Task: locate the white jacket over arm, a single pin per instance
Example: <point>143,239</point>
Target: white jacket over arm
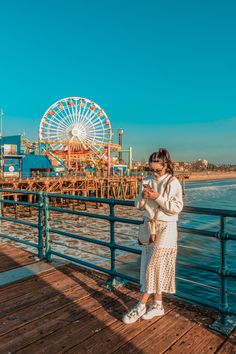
<point>172,201</point>
<point>139,201</point>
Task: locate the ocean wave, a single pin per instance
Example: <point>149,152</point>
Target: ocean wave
<point>233,186</point>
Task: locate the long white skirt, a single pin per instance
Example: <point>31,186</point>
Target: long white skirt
<point>158,261</point>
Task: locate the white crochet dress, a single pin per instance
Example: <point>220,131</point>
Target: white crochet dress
<point>158,260</point>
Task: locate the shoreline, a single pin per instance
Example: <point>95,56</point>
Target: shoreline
<point>208,176</point>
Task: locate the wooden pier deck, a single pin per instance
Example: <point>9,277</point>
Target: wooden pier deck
<point>65,309</point>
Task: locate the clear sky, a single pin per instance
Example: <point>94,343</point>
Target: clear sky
<point>164,71</point>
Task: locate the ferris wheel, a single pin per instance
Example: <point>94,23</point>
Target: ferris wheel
<point>78,121</point>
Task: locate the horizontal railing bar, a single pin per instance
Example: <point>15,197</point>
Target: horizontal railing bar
<point>131,250</point>
<point>231,311</point>
<point>127,249</point>
<point>197,283</point>
<point>195,249</point>
<point>227,273</point>
<point>231,274</point>
<point>126,276</point>
<point>197,231</point>
<point>127,221</point>
<point>96,216</point>
<point>231,237</point>
<point>98,242</point>
<point>8,201</point>
<point>107,257</point>
<point>91,199</point>
<point>198,266</point>
<point>79,237</point>
<point>91,265</point>
<point>126,202</point>
<point>19,191</point>
<point>80,225</point>
<point>17,221</point>
<point>182,279</point>
<point>81,213</point>
<point>79,261</point>
<point>194,299</point>
<point>28,243</point>
<point>210,211</point>
<point>186,209</point>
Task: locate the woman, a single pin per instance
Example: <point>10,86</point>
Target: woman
<point>160,197</point>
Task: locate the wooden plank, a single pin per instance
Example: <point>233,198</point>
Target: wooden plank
<point>7,264</point>
<point>80,329</point>
<point>229,347</point>
<point>38,310</point>
<point>14,294</point>
<point>66,310</point>
<point>73,312</point>
<point>91,273</point>
<point>28,271</point>
<point>198,340</point>
<point>10,249</point>
<point>83,286</point>
<point>158,337</point>
<point>12,257</point>
<point>109,341</point>
<point>15,256</point>
<point>23,286</point>
<point>59,286</point>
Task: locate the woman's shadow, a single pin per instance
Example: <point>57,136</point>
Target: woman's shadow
<point>120,300</point>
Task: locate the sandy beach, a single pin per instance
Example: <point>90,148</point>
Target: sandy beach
<point>210,175</point>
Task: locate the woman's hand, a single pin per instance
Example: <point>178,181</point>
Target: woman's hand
<point>150,194</point>
<point>152,238</point>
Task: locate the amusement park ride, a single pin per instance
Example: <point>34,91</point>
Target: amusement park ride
<point>75,131</point>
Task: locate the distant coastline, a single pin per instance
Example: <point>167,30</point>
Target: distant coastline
<point>210,175</point>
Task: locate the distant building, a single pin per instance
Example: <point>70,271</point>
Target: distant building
<point>15,163</point>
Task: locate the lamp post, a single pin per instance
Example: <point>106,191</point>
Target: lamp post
<point>120,133</point>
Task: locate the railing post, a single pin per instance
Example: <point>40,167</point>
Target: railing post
<point>40,225</point>
<point>46,228</point>
<point>114,282</point>
<point>112,237</point>
<point>223,269</point>
<point>225,323</point>
<point>1,210</point>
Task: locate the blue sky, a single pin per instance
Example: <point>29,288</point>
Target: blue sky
<point>164,71</point>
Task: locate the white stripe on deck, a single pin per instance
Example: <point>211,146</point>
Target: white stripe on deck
<point>15,274</point>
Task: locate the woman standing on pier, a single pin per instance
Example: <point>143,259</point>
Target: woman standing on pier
<point>160,196</point>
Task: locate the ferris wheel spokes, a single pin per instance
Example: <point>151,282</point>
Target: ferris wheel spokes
<point>76,120</point>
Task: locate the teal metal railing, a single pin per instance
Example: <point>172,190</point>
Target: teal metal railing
<point>46,248</point>
<point>39,226</point>
<point>112,245</point>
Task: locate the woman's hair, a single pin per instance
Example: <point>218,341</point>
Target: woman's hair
<point>163,156</point>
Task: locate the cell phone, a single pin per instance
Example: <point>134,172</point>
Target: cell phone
<point>146,186</point>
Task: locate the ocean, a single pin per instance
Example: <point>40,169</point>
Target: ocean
<point>220,194</point>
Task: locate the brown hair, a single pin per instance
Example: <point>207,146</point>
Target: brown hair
<point>163,156</point>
